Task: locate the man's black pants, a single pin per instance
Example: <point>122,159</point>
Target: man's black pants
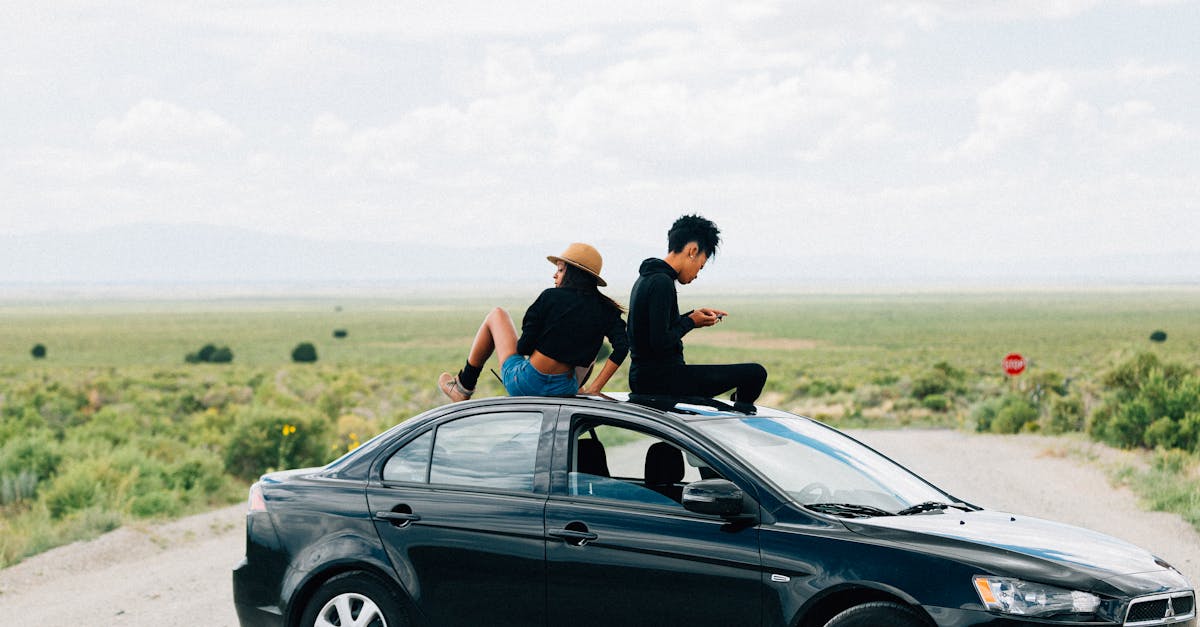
<point>699,380</point>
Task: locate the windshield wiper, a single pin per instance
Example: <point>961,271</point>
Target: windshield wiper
<point>930,506</point>
<point>849,510</point>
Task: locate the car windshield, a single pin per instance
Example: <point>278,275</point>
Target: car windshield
<point>821,468</point>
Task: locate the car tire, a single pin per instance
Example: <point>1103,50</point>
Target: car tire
<point>354,597</point>
<point>878,613</point>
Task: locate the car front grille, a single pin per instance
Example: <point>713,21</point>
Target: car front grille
<point>1161,609</point>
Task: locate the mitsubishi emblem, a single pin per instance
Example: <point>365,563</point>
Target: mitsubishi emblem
<point>1170,609</point>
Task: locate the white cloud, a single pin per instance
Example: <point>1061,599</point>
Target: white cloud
<point>161,123</point>
<point>62,164</point>
<point>1139,71</point>
<point>575,44</point>
<point>329,126</point>
<point>306,61</point>
<point>1014,108</point>
<point>1134,126</point>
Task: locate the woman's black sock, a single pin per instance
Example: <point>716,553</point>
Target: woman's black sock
<point>469,376</point>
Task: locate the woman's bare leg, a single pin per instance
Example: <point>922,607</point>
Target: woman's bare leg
<point>497,335</point>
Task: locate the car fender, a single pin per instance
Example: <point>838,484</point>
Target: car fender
<point>335,554</point>
<point>834,599</point>
<point>807,566</point>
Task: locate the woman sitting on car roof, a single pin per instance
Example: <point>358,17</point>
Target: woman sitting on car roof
<point>560,336</point>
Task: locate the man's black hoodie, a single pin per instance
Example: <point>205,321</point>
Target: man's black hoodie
<point>656,328</point>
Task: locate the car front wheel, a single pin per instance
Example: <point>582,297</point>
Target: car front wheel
<point>355,599</point>
<point>878,613</point>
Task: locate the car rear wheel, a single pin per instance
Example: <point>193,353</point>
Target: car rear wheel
<point>355,599</point>
<point>877,613</point>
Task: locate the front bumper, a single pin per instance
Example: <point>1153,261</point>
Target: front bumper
<point>955,617</point>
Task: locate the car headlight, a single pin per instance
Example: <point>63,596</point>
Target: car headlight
<point>1013,596</point>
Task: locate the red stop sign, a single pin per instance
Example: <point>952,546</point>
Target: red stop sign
<point>1014,364</point>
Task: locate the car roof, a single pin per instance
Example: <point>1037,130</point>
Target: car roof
<point>683,408</point>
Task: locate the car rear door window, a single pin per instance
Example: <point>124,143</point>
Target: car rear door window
<point>410,463</point>
<point>497,450</point>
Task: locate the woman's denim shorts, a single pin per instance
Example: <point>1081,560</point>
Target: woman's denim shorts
<point>522,379</point>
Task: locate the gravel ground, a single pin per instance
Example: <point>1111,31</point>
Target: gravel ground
<point>178,573</point>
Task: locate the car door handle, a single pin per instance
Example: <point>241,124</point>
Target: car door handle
<point>573,537</point>
<point>400,519</point>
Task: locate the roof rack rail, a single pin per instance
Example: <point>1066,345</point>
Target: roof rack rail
<point>670,403</point>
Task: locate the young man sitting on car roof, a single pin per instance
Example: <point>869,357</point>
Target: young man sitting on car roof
<point>656,328</point>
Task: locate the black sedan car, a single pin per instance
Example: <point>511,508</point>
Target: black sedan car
<point>625,511</point>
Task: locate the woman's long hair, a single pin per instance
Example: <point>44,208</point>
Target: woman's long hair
<point>578,279</point>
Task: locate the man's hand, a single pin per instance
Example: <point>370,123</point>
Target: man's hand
<point>706,317</point>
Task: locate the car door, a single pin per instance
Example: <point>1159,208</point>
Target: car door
<point>621,550</point>
<point>460,509</point>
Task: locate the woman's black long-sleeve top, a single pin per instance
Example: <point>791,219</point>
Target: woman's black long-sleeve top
<point>568,325</point>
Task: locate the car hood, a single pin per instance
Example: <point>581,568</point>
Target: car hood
<point>1030,548</point>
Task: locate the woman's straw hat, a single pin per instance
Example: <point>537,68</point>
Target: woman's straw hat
<point>584,257</point>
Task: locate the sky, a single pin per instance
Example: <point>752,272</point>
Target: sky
<point>961,132</point>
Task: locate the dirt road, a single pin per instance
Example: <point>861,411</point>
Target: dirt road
<point>179,573</point>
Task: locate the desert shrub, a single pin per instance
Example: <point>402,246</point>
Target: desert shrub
<point>38,351</point>
<point>210,354</point>
<point>809,386</point>
<point>304,352</point>
<point>113,425</point>
<point>940,379</point>
<point>1015,416</point>
<point>1066,415</point>
<point>352,431</point>
<point>340,333</point>
<point>265,438</point>
<point>200,472</point>
<point>1128,377</point>
<point>870,395</point>
<point>1149,404</point>
<point>1008,414</point>
<point>344,393</point>
<point>156,504</point>
<point>935,402</point>
<point>85,484</point>
<point>1169,433</point>
<point>1158,336</point>
<point>1046,382</point>
<point>37,452</point>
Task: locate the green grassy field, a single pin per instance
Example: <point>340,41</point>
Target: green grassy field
<point>848,338</point>
<point>113,425</point>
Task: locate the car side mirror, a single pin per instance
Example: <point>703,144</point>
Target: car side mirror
<point>715,497</point>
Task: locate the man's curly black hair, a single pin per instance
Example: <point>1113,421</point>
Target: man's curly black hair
<point>697,229</point>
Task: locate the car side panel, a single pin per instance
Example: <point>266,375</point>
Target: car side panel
<point>651,567</point>
<point>473,558</point>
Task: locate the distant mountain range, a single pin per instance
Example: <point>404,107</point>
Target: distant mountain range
<point>192,254</point>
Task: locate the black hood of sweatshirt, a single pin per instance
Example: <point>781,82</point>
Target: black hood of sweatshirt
<point>654,265</point>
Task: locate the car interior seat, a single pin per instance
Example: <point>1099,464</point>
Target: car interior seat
<point>590,457</point>
<point>664,469</point>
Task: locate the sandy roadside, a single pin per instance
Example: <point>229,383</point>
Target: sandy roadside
<point>178,573</point>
